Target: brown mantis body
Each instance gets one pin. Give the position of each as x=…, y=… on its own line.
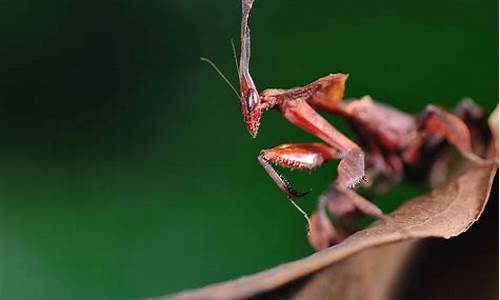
x=394, y=141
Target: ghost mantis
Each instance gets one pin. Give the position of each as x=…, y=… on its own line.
x=394, y=142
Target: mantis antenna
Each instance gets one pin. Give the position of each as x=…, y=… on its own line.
x=211, y=63
x=235, y=56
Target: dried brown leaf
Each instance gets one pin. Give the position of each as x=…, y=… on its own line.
x=445, y=212
x=370, y=274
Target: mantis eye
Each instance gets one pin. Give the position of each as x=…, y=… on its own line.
x=250, y=111
x=252, y=100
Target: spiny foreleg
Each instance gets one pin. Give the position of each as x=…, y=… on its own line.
x=298, y=157
x=351, y=169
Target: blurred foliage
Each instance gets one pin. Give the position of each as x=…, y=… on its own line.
x=126, y=170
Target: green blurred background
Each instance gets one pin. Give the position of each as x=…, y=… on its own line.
x=126, y=170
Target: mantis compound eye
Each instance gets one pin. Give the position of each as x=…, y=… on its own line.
x=251, y=112
x=252, y=100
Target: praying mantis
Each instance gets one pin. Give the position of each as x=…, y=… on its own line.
x=394, y=143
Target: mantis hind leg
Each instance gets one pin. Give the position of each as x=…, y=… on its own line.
x=456, y=132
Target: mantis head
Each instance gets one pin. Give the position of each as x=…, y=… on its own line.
x=249, y=96
x=249, y=105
